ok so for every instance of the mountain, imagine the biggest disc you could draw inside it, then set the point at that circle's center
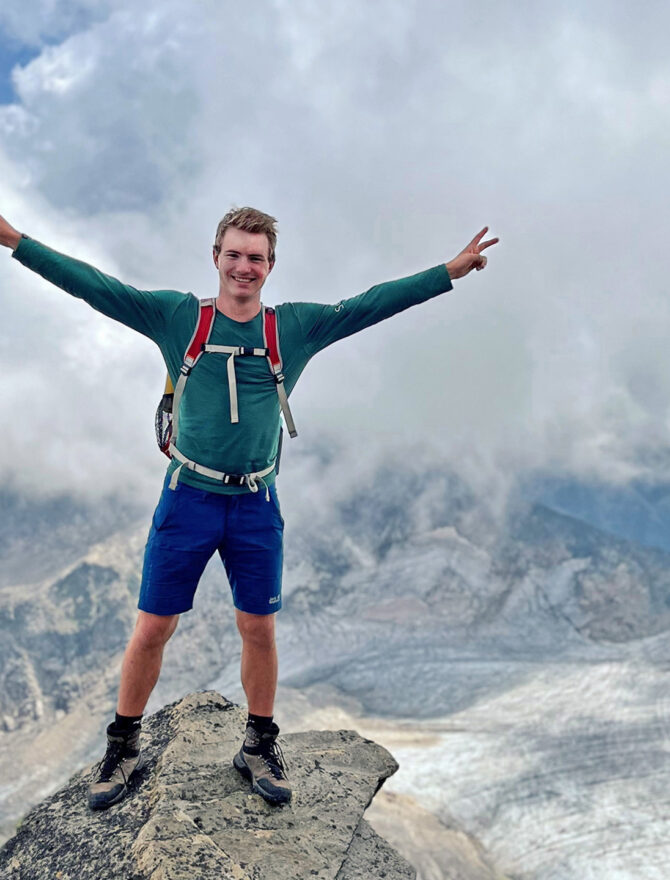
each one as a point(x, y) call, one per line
point(638, 510)
point(398, 593)
point(40, 534)
point(483, 634)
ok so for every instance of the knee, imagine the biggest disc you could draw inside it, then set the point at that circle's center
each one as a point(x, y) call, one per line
point(153, 631)
point(257, 630)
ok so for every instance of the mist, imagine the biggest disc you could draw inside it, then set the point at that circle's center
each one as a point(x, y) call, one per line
point(383, 138)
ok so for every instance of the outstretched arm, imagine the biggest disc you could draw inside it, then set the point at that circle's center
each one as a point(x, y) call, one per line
point(9, 237)
point(149, 312)
point(322, 325)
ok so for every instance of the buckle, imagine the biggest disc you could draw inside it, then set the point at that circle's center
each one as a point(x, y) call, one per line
point(235, 480)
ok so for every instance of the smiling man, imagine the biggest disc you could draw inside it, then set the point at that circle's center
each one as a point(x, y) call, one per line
point(219, 493)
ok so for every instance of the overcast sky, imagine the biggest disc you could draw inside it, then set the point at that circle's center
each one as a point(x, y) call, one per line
point(383, 136)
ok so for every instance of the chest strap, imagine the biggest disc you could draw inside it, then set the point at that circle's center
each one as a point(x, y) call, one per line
point(234, 351)
point(199, 345)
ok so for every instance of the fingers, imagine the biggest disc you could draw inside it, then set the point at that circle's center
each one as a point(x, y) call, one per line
point(475, 241)
point(475, 247)
point(481, 263)
point(488, 243)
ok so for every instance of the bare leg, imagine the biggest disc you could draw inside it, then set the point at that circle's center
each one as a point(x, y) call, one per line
point(142, 661)
point(259, 660)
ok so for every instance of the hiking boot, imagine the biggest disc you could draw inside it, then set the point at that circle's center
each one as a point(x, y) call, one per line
point(261, 760)
point(122, 759)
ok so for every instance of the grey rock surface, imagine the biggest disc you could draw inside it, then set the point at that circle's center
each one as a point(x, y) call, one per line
point(190, 814)
point(371, 856)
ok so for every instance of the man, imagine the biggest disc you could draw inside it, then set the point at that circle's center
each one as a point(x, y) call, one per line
point(228, 427)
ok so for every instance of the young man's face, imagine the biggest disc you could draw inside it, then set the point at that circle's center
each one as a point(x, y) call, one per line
point(243, 263)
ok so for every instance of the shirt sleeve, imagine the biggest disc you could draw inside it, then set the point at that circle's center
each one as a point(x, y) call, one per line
point(147, 311)
point(322, 325)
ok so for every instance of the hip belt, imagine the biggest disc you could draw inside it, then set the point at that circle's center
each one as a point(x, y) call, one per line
point(251, 480)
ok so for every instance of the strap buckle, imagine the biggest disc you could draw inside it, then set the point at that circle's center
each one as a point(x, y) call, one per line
point(235, 480)
point(250, 351)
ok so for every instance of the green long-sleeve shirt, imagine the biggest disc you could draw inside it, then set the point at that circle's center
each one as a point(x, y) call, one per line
point(168, 317)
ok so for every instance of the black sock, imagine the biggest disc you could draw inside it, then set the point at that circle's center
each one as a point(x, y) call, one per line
point(127, 723)
point(259, 722)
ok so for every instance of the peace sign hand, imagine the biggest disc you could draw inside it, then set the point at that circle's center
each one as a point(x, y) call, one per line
point(471, 256)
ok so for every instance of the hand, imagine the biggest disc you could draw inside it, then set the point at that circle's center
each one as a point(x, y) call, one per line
point(9, 237)
point(471, 256)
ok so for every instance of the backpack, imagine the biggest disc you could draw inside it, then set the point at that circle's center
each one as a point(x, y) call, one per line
point(167, 413)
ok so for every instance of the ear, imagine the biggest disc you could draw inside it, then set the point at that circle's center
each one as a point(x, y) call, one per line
point(272, 265)
point(215, 257)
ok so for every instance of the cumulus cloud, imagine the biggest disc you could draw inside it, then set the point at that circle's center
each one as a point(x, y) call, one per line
point(36, 21)
point(383, 137)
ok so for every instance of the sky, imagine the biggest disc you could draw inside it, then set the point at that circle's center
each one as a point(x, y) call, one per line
point(382, 136)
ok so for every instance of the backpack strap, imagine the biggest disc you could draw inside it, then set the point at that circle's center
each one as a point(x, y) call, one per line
point(271, 339)
point(200, 338)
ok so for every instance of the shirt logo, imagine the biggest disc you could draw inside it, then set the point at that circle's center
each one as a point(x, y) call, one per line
point(274, 600)
point(339, 306)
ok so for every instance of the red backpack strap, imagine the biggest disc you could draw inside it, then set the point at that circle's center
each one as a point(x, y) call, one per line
point(271, 339)
point(200, 337)
point(202, 331)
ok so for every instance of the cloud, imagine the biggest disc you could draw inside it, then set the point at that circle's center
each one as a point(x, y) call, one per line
point(104, 117)
point(36, 21)
point(383, 137)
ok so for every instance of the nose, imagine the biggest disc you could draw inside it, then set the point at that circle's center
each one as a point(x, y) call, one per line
point(244, 264)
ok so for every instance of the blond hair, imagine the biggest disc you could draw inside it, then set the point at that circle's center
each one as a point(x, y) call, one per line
point(248, 220)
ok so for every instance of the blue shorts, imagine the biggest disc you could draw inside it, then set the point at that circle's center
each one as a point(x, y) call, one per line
point(189, 524)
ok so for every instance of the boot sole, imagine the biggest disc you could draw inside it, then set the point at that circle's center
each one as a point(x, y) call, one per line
point(242, 768)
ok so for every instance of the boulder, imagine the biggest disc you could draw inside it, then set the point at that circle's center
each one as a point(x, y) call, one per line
point(189, 814)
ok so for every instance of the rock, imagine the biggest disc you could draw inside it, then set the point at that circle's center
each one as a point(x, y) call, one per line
point(190, 814)
point(371, 856)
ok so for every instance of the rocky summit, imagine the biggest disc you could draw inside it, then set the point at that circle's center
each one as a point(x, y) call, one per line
point(190, 814)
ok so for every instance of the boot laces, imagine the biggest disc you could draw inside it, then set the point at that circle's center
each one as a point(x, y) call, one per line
point(274, 758)
point(111, 761)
